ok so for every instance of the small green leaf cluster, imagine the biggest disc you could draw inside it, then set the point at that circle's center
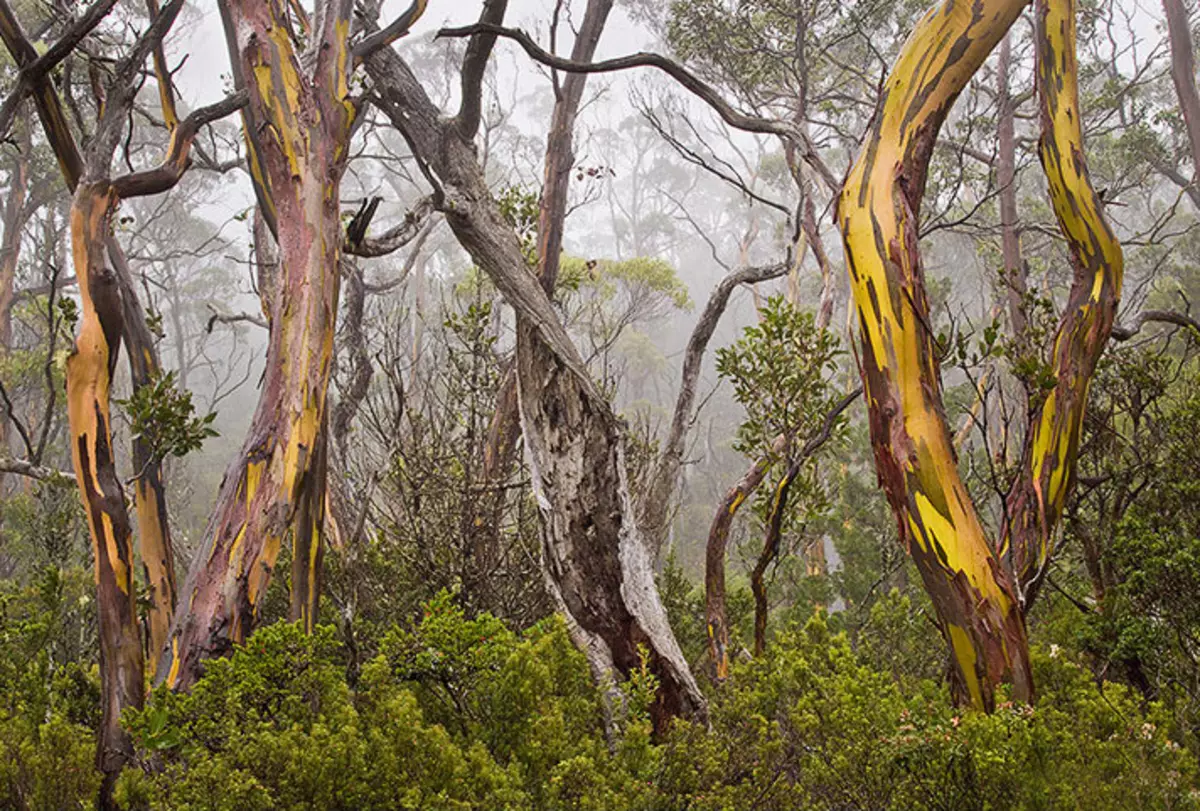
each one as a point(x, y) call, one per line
point(163, 416)
point(780, 370)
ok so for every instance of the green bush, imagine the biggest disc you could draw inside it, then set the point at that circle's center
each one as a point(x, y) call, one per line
point(461, 712)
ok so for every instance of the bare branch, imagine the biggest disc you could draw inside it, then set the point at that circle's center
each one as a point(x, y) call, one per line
point(222, 318)
point(705, 92)
point(23, 467)
point(33, 67)
point(169, 172)
point(479, 50)
point(394, 238)
point(1124, 332)
point(394, 31)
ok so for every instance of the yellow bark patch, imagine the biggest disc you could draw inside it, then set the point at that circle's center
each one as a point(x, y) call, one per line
point(964, 652)
point(173, 673)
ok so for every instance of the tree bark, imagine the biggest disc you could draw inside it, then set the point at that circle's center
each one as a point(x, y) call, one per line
point(308, 537)
point(1183, 74)
point(1006, 178)
point(15, 216)
point(89, 378)
point(505, 426)
point(915, 459)
point(1035, 503)
point(90, 367)
point(602, 575)
point(149, 489)
point(716, 615)
point(308, 119)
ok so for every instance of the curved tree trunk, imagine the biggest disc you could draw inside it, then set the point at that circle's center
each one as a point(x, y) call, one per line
point(149, 489)
point(915, 459)
point(615, 602)
point(714, 559)
point(655, 513)
point(1035, 503)
point(717, 621)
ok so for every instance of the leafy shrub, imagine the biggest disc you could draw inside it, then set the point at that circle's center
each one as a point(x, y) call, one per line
point(461, 712)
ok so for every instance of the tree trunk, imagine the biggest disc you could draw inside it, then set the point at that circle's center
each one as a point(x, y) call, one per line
point(714, 559)
point(1006, 177)
point(617, 604)
point(655, 513)
point(1183, 74)
point(15, 216)
point(1035, 502)
point(770, 552)
point(718, 533)
point(149, 490)
point(505, 426)
point(880, 202)
point(89, 378)
point(300, 166)
point(308, 538)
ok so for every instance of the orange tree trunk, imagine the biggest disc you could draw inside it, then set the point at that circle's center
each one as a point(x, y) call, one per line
point(1035, 503)
point(975, 602)
point(303, 124)
point(89, 377)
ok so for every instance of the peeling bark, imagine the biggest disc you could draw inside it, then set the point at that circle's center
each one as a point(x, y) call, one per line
point(149, 489)
point(308, 538)
point(305, 120)
point(615, 606)
point(108, 315)
point(89, 378)
point(505, 426)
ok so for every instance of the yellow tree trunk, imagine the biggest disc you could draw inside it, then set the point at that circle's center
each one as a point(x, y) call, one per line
point(1036, 500)
point(914, 454)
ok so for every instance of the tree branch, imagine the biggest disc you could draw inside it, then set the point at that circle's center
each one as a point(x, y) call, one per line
point(23, 467)
point(222, 318)
point(479, 50)
point(705, 92)
point(655, 507)
point(168, 173)
point(395, 237)
point(385, 37)
point(1124, 332)
point(33, 67)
